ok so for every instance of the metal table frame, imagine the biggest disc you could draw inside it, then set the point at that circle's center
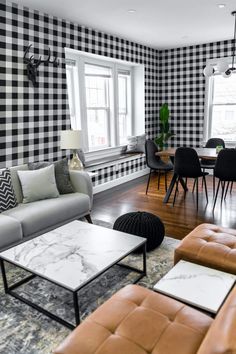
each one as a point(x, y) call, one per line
point(9, 289)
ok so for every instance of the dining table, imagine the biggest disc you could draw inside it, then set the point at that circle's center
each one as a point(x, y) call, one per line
point(203, 153)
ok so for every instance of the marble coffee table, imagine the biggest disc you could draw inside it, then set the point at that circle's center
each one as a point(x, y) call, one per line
point(71, 256)
point(203, 287)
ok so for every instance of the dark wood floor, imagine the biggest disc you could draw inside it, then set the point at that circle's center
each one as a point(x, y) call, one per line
point(179, 220)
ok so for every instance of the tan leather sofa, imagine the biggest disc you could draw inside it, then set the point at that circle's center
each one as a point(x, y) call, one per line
point(210, 245)
point(139, 321)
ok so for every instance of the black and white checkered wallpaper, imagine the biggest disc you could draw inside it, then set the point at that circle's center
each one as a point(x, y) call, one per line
point(31, 118)
point(182, 86)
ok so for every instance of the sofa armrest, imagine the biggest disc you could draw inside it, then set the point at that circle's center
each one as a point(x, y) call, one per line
point(221, 337)
point(82, 183)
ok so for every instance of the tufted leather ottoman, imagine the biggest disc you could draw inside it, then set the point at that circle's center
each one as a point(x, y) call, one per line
point(209, 245)
point(139, 321)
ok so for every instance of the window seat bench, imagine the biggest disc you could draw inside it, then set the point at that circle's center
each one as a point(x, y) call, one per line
point(110, 160)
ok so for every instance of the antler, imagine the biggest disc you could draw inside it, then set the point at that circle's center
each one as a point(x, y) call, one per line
point(54, 61)
point(28, 60)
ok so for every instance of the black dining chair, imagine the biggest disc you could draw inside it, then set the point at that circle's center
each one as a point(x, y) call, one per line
point(210, 164)
point(155, 163)
point(225, 171)
point(187, 165)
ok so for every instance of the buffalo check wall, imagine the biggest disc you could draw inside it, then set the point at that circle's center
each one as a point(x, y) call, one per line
point(182, 86)
point(31, 118)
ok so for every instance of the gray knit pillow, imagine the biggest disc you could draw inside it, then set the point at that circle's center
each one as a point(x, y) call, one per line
point(63, 177)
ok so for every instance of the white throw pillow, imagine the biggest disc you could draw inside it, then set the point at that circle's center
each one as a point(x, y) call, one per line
point(136, 144)
point(38, 184)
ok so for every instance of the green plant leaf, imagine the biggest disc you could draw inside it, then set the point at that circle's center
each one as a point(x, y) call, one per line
point(160, 141)
point(164, 113)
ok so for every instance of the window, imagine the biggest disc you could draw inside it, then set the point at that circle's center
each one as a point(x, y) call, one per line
point(124, 106)
point(98, 82)
point(101, 101)
point(221, 110)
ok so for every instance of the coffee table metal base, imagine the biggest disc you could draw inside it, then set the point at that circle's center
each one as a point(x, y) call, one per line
point(9, 289)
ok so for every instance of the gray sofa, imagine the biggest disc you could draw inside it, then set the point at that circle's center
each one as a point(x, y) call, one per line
point(32, 219)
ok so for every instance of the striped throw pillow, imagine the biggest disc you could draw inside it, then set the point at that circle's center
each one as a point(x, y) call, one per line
point(7, 195)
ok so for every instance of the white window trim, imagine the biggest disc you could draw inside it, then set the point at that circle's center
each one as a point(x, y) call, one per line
point(80, 58)
point(208, 102)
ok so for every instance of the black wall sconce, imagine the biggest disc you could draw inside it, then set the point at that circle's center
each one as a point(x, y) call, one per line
point(33, 64)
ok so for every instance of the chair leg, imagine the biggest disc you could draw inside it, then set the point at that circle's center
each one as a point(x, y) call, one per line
point(202, 178)
point(222, 192)
point(148, 180)
point(197, 191)
point(194, 185)
point(216, 195)
point(205, 185)
point(176, 189)
point(166, 181)
point(186, 181)
point(159, 176)
point(231, 187)
point(226, 191)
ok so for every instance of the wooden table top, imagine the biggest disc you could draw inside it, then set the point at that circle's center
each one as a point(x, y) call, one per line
point(204, 153)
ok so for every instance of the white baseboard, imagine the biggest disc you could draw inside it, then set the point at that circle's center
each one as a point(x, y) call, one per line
point(118, 181)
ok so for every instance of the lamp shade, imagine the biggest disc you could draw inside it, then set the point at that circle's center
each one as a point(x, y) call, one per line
point(71, 139)
point(208, 71)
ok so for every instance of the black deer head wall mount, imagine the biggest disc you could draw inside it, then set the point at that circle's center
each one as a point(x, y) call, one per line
point(33, 64)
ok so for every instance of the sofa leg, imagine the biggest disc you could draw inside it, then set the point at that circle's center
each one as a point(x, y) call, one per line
point(88, 218)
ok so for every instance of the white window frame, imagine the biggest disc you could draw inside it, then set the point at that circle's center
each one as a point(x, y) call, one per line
point(137, 98)
point(209, 89)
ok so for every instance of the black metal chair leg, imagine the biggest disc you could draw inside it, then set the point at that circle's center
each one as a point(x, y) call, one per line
point(204, 180)
point(226, 191)
point(159, 175)
point(197, 191)
point(222, 192)
point(148, 180)
point(186, 181)
point(216, 195)
point(166, 181)
point(194, 185)
point(231, 187)
point(176, 189)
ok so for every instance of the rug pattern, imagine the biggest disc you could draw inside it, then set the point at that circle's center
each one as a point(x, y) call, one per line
point(26, 331)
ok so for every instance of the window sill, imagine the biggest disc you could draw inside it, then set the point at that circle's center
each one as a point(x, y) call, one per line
point(104, 153)
point(111, 160)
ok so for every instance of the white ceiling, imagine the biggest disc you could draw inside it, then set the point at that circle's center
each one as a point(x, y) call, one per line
point(156, 23)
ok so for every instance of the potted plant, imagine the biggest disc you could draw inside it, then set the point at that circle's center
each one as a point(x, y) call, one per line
point(165, 134)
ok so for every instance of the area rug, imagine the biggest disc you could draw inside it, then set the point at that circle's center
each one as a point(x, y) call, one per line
point(26, 331)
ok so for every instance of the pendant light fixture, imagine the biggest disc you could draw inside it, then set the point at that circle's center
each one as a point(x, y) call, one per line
point(222, 66)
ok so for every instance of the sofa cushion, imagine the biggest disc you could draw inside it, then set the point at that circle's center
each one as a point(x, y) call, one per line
point(10, 231)
point(7, 195)
point(139, 321)
point(37, 216)
point(39, 184)
point(210, 245)
point(221, 338)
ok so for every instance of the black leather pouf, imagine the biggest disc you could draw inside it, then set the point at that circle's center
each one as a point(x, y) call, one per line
point(142, 224)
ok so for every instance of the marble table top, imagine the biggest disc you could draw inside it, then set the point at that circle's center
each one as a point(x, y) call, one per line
point(196, 285)
point(73, 254)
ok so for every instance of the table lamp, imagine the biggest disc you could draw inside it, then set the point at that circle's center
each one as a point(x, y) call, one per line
point(71, 139)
